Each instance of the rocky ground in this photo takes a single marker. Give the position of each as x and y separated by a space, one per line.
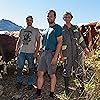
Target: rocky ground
8 89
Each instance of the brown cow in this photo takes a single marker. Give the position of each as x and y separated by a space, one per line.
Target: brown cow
90 34
7 48
97 28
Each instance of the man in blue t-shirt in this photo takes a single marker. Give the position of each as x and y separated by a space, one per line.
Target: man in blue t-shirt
52 43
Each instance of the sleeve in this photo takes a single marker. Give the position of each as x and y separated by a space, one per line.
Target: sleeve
59 31
81 41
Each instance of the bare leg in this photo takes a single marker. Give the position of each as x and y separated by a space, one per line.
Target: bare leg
53 82
40 79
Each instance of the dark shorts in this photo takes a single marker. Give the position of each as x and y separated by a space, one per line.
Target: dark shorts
45 62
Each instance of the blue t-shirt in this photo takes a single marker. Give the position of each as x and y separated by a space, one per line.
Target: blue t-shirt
50 38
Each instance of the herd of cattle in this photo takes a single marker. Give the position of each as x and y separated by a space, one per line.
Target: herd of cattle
90 33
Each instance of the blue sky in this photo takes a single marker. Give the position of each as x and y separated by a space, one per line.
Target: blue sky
17 10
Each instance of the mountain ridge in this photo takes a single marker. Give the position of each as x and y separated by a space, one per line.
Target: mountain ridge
7 25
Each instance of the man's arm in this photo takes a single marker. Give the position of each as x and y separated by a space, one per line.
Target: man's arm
58 50
18 44
38 44
83 45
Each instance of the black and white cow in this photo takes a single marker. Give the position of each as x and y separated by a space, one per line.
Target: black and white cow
7 51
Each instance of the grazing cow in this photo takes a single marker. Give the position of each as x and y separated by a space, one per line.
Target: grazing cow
7 49
90 34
